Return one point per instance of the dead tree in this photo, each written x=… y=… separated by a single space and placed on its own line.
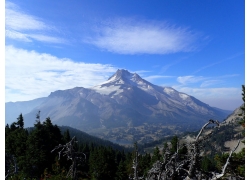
x=75 y=157
x=135 y=165
x=194 y=149
x=169 y=168
x=217 y=176
x=174 y=168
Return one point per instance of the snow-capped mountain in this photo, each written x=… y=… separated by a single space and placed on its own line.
x=125 y=100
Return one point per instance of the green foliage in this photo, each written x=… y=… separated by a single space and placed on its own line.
x=121 y=173
x=144 y=164
x=238 y=163
x=102 y=163
x=242 y=122
x=207 y=164
x=15 y=142
x=174 y=144
x=156 y=155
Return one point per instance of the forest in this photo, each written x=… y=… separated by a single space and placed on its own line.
x=47 y=152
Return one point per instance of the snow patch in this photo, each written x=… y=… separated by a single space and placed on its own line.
x=183 y=96
x=168 y=90
x=107 y=90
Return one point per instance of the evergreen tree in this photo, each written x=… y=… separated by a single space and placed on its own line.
x=121 y=173
x=20 y=122
x=156 y=155
x=207 y=164
x=165 y=148
x=41 y=141
x=102 y=163
x=15 y=142
x=66 y=136
x=174 y=144
x=144 y=164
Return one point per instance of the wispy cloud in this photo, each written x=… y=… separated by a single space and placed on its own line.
x=45 y=38
x=152 y=78
x=210 y=83
x=17 y=20
x=211 y=92
x=17 y=36
x=24 y=27
x=131 y=36
x=190 y=79
x=201 y=81
x=228 y=76
x=31 y=75
x=218 y=62
x=225 y=97
x=167 y=66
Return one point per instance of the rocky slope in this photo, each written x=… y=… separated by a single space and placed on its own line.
x=125 y=108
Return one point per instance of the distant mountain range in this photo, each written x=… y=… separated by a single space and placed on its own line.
x=123 y=108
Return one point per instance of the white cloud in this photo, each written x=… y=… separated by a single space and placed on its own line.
x=125 y=36
x=205 y=81
x=17 y=36
x=17 y=20
x=190 y=79
x=151 y=78
x=25 y=27
x=45 y=38
x=208 y=92
x=224 y=97
x=30 y=75
x=210 y=83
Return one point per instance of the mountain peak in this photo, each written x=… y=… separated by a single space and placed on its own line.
x=121 y=73
x=123 y=76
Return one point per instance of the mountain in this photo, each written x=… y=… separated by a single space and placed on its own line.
x=13 y=109
x=223 y=140
x=125 y=108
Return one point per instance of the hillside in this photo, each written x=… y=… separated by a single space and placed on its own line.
x=85 y=138
x=223 y=139
x=124 y=109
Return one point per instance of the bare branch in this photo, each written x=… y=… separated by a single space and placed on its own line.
x=203 y=127
x=226 y=164
x=68 y=150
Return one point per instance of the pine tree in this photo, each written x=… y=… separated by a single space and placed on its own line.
x=121 y=171
x=156 y=155
x=20 y=122
x=42 y=139
x=174 y=144
x=15 y=142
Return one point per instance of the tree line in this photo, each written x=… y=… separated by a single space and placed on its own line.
x=46 y=153
x=29 y=154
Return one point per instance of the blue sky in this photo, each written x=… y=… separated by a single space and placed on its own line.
x=196 y=47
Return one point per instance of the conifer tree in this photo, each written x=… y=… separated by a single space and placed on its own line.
x=121 y=171
x=15 y=142
x=20 y=122
x=156 y=155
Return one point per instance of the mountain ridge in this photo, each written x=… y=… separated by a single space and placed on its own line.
x=123 y=102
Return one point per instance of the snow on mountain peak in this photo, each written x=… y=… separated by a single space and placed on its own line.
x=121 y=77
